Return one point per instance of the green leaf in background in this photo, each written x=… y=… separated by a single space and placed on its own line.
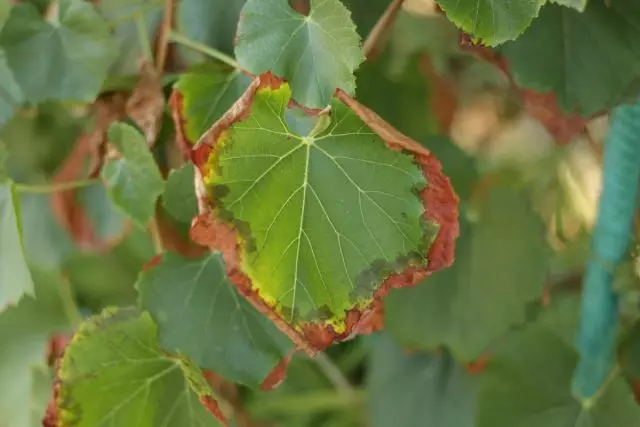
x=5 y=9
x=208 y=92
x=201 y=315
x=578 y=5
x=632 y=356
x=418 y=390
x=25 y=331
x=10 y=93
x=114 y=373
x=326 y=216
x=179 y=198
x=121 y=16
x=527 y=382
x=133 y=181
x=15 y=279
x=492 y=21
x=211 y=22
x=501 y=264
x=583 y=58
x=109 y=223
x=316 y=54
x=63 y=58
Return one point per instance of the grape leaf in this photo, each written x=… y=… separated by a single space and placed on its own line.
x=492 y=21
x=10 y=93
x=316 y=53
x=211 y=22
x=134 y=181
x=418 y=390
x=25 y=330
x=323 y=218
x=578 y=5
x=113 y=372
x=500 y=266
x=583 y=58
x=5 y=9
x=179 y=198
x=15 y=279
x=201 y=315
x=66 y=58
x=527 y=381
x=208 y=91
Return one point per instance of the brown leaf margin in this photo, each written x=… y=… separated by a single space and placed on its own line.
x=439 y=199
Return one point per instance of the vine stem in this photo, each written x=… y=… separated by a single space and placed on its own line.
x=202 y=48
x=51 y=188
x=334 y=374
x=69 y=306
x=381 y=27
x=324 y=400
x=154 y=232
x=163 y=40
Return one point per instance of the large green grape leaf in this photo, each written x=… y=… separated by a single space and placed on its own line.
x=206 y=93
x=114 y=373
x=418 y=390
x=201 y=315
x=325 y=206
x=63 y=58
x=25 y=330
x=133 y=181
x=492 y=21
x=316 y=53
x=501 y=264
x=585 y=59
x=211 y=22
x=527 y=382
x=15 y=279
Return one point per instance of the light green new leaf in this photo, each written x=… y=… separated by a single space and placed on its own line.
x=500 y=266
x=208 y=92
x=134 y=181
x=492 y=21
x=114 y=373
x=324 y=217
x=578 y=5
x=66 y=58
x=15 y=279
x=201 y=315
x=211 y=22
x=179 y=198
x=418 y=390
x=316 y=54
x=527 y=382
x=585 y=59
x=25 y=330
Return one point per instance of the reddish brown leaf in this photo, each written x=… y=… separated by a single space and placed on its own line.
x=278 y=374
x=439 y=200
x=145 y=106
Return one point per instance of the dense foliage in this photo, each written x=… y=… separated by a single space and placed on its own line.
x=319 y=213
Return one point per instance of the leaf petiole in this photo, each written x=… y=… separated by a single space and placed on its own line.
x=52 y=188
x=176 y=37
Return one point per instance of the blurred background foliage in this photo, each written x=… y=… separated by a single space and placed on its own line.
x=527 y=207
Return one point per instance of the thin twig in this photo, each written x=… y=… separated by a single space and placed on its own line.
x=202 y=48
x=381 y=27
x=334 y=374
x=156 y=237
x=163 y=39
x=51 y=188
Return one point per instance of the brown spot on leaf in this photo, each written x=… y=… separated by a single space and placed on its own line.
x=439 y=200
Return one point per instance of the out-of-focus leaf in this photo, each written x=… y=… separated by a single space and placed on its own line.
x=5 y=8
x=114 y=372
x=583 y=58
x=120 y=15
x=208 y=91
x=500 y=266
x=527 y=381
x=10 y=93
x=201 y=315
x=62 y=57
x=25 y=331
x=492 y=21
x=579 y=5
x=211 y=22
x=418 y=390
x=365 y=13
x=316 y=53
x=133 y=181
x=179 y=198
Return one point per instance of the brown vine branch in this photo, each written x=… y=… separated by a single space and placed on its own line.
x=381 y=27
